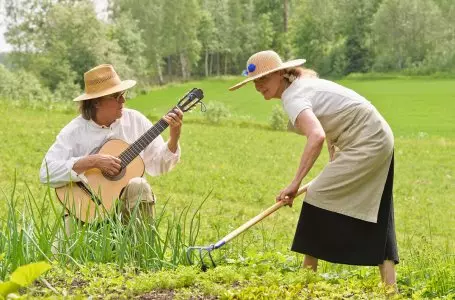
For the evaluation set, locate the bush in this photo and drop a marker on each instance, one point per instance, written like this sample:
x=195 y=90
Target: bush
x=216 y=111
x=21 y=86
x=279 y=119
x=66 y=91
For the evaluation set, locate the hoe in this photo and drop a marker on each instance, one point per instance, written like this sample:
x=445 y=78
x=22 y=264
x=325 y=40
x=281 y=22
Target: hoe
x=202 y=250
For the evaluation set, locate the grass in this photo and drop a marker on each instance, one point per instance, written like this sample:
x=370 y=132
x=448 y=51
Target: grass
x=241 y=168
x=412 y=107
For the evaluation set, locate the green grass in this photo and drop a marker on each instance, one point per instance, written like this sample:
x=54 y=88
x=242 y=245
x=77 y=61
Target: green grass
x=241 y=168
x=413 y=107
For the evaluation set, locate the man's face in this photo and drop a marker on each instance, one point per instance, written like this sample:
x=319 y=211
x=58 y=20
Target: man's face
x=110 y=107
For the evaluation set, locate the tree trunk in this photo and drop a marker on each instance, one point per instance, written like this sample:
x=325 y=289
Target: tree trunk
x=218 y=64
x=158 y=68
x=169 y=66
x=225 y=63
x=211 y=64
x=206 y=63
x=183 y=66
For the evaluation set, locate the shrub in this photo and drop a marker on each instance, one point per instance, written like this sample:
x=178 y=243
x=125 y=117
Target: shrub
x=66 y=91
x=279 y=119
x=21 y=86
x=216 y=111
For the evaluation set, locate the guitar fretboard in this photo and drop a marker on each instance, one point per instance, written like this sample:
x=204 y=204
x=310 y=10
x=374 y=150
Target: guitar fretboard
x=135 y=148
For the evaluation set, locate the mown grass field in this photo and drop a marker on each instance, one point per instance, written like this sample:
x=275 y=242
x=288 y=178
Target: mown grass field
x=238 y=169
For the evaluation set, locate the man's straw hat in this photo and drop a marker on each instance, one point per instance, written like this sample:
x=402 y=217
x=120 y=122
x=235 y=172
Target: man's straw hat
x=263 y=63
x=102 y=80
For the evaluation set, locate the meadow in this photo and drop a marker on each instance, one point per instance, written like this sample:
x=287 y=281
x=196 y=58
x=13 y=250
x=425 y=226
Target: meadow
x=233 y=170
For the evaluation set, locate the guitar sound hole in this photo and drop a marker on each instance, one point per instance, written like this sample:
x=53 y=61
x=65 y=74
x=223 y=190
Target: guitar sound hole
x=116 y=177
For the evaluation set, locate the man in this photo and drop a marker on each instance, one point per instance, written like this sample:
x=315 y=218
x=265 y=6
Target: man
x=104 y=117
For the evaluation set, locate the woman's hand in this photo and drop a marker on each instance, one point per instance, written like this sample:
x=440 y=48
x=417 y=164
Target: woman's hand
x=288 y=194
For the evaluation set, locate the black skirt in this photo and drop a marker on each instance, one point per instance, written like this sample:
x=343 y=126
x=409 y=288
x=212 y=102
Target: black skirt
x=342 y=239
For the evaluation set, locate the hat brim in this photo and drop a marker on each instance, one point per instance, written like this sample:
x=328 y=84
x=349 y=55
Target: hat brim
x=286 y=65
x=124 y=85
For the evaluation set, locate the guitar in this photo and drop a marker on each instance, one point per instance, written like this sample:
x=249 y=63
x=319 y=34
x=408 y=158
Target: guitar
x=96 y=199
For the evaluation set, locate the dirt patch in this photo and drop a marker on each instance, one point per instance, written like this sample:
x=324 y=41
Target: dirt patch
x=169 y=294
x=159 y=294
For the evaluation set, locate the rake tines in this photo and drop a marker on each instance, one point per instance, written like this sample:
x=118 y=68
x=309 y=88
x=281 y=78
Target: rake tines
x=236 y=232
x=201 y=250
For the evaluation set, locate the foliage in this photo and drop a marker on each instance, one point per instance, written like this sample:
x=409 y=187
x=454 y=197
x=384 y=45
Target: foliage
x=404 y=32
x=159 y=41
x=63 y=47
x=29 y=235
x=23 y=276
x=20 y=86
x=216 y=112
x=279 y=119
x=66 y=90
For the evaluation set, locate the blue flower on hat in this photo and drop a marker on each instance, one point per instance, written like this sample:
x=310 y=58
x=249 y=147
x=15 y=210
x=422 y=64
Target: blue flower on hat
x=244 y=73
x=251 y=67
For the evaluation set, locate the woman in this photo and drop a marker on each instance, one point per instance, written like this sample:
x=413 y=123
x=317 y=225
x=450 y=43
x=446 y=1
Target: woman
x=347 y=216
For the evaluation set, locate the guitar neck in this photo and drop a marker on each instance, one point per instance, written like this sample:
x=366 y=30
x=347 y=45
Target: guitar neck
x=141 y=143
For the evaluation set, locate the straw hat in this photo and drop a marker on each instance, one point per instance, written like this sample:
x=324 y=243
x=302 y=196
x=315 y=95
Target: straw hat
x=102 y=80
x=263 y=63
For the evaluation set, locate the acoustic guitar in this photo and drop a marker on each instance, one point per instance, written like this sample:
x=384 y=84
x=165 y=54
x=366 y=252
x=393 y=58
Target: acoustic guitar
x=96 y=199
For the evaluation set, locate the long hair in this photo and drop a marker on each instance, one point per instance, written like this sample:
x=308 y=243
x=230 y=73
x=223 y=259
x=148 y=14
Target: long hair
x=299 y=72
x=87 y=108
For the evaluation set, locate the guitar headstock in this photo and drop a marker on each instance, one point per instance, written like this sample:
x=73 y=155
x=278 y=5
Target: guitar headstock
x=192 y=98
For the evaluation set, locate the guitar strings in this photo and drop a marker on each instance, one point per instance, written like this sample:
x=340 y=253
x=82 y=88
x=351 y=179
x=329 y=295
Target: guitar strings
x=134 y=149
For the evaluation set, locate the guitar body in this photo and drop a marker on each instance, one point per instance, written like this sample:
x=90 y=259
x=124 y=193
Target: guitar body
x=99 y=197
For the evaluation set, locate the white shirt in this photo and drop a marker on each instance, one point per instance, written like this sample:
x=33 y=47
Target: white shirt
x=323 y=97
x=80 y=137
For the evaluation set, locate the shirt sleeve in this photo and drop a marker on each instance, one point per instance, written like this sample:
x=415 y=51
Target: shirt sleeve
x=296 y=101
x=295 y=106
x=158 y=159
x=57 y=166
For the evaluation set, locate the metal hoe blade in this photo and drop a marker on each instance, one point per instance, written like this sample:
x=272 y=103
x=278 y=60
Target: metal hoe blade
x=236 y=232
x=201 y=250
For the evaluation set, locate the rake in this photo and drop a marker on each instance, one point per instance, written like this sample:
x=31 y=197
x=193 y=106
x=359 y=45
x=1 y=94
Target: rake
x=208 y=249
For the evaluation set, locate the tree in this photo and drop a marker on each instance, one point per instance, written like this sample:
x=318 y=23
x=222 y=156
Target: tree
x=181 y=21
x=127 y=34
x=354 y=24
x=62 y=41
x=150 y=22
x=315 y=34
x=404 y=32
x=206 y=34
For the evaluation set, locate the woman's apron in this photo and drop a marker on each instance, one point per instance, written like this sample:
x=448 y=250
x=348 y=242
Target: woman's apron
x=353 y=182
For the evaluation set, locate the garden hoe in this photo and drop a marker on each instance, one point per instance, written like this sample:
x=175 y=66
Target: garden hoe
x=208 y=249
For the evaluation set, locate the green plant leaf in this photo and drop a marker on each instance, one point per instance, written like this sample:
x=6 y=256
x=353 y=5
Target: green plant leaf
x=8 y=287
x=2 y=256
x=25 y=275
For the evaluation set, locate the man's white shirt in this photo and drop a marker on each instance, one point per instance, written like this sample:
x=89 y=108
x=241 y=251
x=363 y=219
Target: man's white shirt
x=81 y=137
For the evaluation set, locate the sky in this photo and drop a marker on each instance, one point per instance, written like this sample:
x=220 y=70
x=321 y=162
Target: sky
x=100 y=7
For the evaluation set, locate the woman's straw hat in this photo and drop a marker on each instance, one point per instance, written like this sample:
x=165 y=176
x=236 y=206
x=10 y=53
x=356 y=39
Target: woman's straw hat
x=102 y=80
x=263 y=63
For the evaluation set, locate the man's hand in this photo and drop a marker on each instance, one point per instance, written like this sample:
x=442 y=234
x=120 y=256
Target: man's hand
x=175 y=121
x=108 y=164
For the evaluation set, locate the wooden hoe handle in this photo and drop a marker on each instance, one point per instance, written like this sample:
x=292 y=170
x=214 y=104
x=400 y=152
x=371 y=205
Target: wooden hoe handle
x=258 y=218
